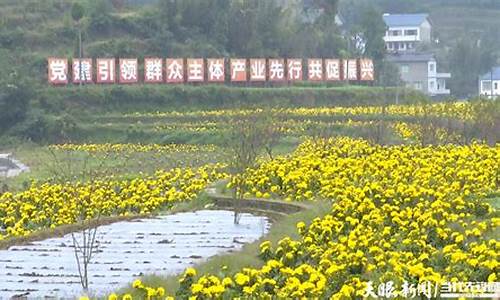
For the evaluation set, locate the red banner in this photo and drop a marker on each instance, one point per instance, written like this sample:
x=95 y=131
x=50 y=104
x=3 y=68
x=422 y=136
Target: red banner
x=175 y=70
x=57 y=70
x=332 y=69
x=295 y=72
x=258 y=70
x=216 y=69
x=82 y=70
x=352 y=69
x=277 y=69
x=195 y=70
x=106 y=70
x=238 y=70
x=315 y=69
x=153 y=70
x=129 y=69
x=367 y=70
x=179 y=70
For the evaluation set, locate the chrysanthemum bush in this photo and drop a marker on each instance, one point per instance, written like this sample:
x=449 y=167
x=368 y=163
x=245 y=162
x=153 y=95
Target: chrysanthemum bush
x=458 y=110
x=50 y=205
x=399 y=213
x=344 y=167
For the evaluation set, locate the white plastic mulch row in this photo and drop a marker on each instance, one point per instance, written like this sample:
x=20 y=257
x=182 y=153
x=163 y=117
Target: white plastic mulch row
x=164 y=245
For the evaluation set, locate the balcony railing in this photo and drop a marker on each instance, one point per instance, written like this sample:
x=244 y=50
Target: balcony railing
x=402 y=38
x=443 y=75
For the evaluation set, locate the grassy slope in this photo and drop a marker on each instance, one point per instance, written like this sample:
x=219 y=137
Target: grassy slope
x=63 y=166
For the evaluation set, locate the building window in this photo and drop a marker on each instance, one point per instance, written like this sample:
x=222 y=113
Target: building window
x=432 y=67
x=418 y=85
x=486 y=85
x=412 y=32
x=431 y=86
x=405 y=69
x=496 y=85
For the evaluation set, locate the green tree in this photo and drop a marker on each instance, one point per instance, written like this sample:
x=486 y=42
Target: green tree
x=77 y=12
x=99 y=15
x=469 y=59
x=15 y=95
x=373 y=30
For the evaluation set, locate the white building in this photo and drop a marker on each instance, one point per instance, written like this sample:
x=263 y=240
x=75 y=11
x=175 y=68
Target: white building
x=489 y=83
x=405 y=31
x=419 y=71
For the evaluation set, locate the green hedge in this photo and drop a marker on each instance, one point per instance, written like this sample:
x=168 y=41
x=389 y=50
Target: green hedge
x=186 y=97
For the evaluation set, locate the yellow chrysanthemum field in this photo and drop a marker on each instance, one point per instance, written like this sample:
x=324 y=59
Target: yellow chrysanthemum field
x=410 y=212
x=399 y=213
x=52 y=205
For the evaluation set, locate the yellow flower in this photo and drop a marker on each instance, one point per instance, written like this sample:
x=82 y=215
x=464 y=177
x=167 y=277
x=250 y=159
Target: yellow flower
x=241 y=279
x=190 y=272
x=113 y=296
x=137 y=284
x=160 y=292
x=196 y=288
x=227 y=282
x=459 y=238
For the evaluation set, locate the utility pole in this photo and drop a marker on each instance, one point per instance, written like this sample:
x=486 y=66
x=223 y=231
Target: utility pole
x=77 y=12
x=80 y=54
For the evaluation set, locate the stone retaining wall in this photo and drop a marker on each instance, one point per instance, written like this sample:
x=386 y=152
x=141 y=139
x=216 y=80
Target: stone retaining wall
x=285 y=207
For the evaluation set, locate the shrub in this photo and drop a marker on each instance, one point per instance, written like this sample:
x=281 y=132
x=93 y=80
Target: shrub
x=186 y=97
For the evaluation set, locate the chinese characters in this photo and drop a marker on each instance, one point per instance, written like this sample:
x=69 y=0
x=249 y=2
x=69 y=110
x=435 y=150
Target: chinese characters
x=201 y=70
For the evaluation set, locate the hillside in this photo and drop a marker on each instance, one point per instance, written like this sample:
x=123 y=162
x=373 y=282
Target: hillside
x=30 y=31
x=467 y=31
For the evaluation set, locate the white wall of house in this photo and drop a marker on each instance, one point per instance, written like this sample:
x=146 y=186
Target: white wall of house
x=432 y=67
x=423 y=76
x=403 y=38
x=426 y=32
x=439 y=85
x=437 y=81
x=485 y=88
x=402 y=34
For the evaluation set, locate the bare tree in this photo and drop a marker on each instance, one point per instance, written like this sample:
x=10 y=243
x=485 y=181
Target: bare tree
x=248 y=138
x=84 y=250
x=69 y=166
x=85 y=243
